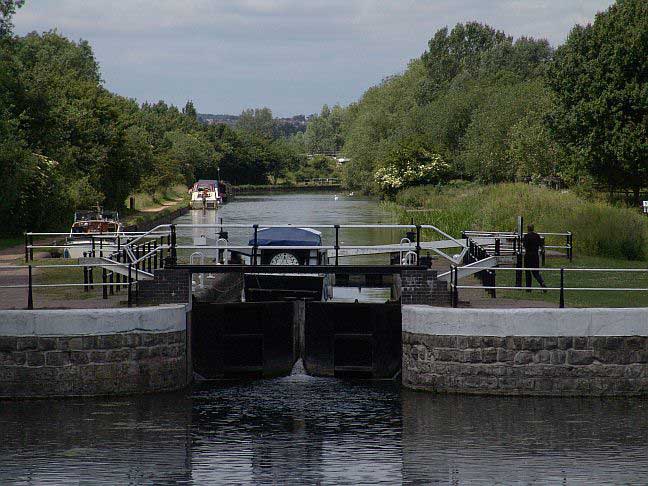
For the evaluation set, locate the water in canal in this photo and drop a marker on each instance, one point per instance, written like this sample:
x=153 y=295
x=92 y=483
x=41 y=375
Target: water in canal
x=304 y=430
x=303 y=209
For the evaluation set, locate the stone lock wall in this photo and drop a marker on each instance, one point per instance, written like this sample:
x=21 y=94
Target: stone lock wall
x=168 y=286
x=92 y=352
x=573 y=352
x=423 y=287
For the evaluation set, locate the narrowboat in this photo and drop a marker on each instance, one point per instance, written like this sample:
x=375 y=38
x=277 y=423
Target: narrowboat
x=205 y=194
x=93 y=230
x=260 y=287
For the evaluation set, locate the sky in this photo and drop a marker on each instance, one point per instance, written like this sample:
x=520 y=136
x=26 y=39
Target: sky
x=289 y=55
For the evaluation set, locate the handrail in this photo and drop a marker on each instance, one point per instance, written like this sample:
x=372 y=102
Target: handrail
x=454 y=281
x=552 y=269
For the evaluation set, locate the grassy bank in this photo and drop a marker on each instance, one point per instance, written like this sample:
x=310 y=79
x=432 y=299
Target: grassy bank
x=156 y=205
x=599 y=229
x=583 y=280
x=147 y=201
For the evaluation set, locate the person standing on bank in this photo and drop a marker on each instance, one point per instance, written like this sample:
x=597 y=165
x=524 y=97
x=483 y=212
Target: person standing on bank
x=532 y=243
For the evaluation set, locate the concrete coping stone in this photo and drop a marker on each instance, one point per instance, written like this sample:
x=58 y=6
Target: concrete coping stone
x=85 y=322
x=421 y=319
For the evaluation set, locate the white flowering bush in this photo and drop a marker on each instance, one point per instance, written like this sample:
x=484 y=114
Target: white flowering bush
x=410 y=166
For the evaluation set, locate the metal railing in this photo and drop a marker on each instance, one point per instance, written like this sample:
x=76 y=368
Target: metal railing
x=162 y=240
x=509 y=243
x=110 y=284
x=455 y=277
x=140 y=253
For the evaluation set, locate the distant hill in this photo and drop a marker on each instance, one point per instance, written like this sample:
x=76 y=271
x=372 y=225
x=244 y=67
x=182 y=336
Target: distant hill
x=210 y=119
x=283 y=126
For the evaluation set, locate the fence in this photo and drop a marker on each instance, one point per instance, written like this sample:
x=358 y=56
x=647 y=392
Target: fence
x=162 y=240
x=111 y=282
x=455 y=287
x=509 y=243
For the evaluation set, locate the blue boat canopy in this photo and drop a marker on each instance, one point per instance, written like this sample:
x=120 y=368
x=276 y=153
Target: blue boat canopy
x=288 y=237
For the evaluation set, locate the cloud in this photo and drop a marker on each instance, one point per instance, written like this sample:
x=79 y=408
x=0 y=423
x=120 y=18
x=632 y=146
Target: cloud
x=290 y=55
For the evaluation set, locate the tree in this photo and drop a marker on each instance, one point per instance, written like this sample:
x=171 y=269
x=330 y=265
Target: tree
x=7 y=10
x=451 y=53
x=190 y=111
x=324 y=131
x=258 y=121
x=600 y=78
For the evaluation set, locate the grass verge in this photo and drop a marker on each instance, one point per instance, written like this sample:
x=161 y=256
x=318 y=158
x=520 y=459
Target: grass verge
x=585 y=279
x=61 y=275
x=158 y=198
x=599 y=229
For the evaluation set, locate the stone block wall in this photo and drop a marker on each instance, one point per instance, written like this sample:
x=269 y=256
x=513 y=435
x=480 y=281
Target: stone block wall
x=168 y=286
x=111 y=364
x=423 y=287
x=559 y=352
x=91 y=352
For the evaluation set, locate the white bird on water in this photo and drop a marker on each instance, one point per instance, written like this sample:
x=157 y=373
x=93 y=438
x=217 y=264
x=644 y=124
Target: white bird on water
x=336 y=197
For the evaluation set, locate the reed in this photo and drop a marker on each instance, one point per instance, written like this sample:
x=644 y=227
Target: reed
x=599 y=229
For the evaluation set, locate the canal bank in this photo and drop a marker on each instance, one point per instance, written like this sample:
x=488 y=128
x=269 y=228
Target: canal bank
x=90 y=352
x=544 y=352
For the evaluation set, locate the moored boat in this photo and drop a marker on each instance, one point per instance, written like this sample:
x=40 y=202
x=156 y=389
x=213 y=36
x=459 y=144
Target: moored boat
x=205 y=194
x=94 y=230
x=259 y=287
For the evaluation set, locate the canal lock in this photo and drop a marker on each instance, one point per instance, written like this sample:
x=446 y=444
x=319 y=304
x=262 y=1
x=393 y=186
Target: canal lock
x=266 y=339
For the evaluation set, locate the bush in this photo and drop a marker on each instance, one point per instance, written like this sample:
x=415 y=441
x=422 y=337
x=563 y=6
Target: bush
x=599 y=229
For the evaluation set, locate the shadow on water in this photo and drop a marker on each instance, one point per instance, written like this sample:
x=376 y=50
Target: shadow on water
x=131 y=440
x=471 y=439
x=304 y=430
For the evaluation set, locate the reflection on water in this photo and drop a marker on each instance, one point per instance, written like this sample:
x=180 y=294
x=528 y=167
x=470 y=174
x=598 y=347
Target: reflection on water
x=301 y=208
x=296 y=208
x=135 y=440
x=470 y=440
x=303 y=430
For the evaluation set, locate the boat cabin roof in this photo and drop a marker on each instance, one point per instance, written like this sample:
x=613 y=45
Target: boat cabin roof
x=288 y=237
x=96 y=215
x=206 y=183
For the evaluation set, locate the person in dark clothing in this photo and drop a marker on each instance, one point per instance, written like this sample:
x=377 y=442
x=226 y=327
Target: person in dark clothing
x=532 y=243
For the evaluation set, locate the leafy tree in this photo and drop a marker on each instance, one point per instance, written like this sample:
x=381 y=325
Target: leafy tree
x=7 y=10
x=600 y=78
x=259 y=122
x=324 y=131
x=486 y=151
x=190 y=111
x=450 y=53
